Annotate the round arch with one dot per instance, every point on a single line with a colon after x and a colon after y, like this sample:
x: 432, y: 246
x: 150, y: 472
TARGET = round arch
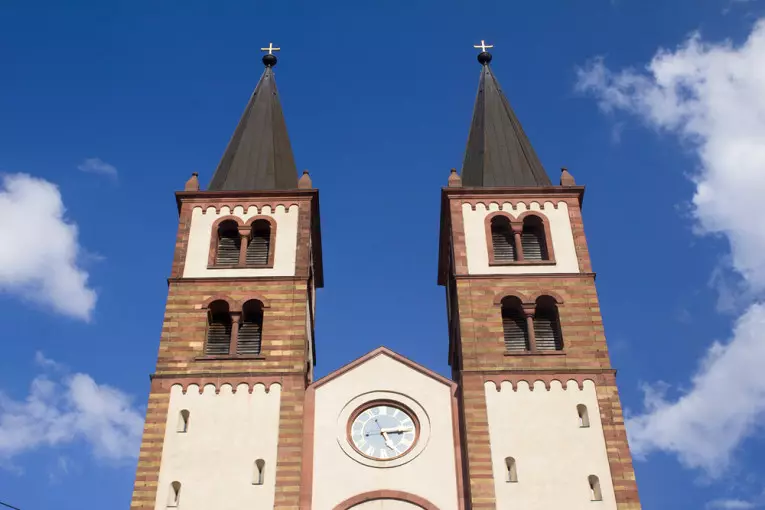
x: 386, y: 494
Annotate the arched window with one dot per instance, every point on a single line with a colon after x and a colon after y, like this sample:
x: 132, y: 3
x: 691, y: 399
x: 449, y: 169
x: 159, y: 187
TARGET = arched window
x: 259, y: 246
x: 514, y: 325
x: 511, y: 471
x: 547, y: 325
x: 502, y: 239
x: 584, y: 418
x: 533, y: 239
x: 183, y: 421
x: 218, y: 328
x: 250, y: 328
x: 259, y: 472
x: 229, y: 244
x: 175, y: 495
x: 595, y: 494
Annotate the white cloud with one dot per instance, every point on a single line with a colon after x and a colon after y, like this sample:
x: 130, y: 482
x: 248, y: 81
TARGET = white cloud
x: 38, y: 261
x: 97, y: 166
x: 730, y: 504
x: 63, y: 408
x: 711, y: 97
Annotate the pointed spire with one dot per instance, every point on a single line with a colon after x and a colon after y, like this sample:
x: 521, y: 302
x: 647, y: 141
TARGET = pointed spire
x: 259, y: 155
x: 498, y: 152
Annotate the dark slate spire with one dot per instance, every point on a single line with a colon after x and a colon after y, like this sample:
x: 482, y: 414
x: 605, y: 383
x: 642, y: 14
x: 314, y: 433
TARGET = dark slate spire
x: 498, y: 152
x: 259, y: 155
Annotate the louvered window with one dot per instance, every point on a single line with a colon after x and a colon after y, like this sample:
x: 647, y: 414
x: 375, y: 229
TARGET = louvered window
x: 502, y: 240
x: 260, y: 244
x: 547, y: 325
x: 218, y: 329
x: 229, y: 243
x: 250, y: 329
x: 514, y: 326
x: 533, y: 239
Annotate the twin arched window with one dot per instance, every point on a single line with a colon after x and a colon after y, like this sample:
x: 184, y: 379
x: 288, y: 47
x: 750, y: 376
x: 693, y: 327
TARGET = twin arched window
x: 234, y: 333
x: 531, y: 330
x: 516, y: 243
x: 248, y: 246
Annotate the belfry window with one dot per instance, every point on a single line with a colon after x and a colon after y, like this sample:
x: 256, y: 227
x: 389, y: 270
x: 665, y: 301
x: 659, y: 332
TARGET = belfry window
x: 229, y: 244
x: 514, y: 325
x: 250, y: 328
x: 547, y: 325
x: 218, y: 329
x: 502, y: 239
x: 533, y: 242
x: 259, y: 245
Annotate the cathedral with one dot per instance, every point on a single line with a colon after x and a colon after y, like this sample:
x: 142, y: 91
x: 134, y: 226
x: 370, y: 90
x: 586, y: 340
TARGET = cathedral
x: 529, y: 420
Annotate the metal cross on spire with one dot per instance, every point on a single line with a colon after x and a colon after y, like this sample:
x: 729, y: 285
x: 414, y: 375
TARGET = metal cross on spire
x: 483, y: 45
x: 271, y: 48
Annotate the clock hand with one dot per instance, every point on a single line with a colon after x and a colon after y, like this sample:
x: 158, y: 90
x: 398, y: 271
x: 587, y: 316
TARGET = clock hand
x: 397, y: 429
x: 388, y: 442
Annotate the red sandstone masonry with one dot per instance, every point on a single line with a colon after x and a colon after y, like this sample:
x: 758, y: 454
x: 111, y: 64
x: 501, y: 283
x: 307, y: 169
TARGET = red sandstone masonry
x: 481, y: 344
x: 181, y: 357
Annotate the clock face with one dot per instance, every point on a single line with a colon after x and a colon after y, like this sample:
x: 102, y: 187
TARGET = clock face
x: 383, y: 430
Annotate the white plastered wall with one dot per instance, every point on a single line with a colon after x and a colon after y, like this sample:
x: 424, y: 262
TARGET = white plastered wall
x: 477, y: 248
x: 554, y: 455
x: 215, y: 459
x: 431, y: 474
x: 200, y: 233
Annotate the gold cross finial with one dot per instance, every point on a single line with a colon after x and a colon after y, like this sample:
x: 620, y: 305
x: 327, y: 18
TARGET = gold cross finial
x: 483, y: 45
x: 270, y: 48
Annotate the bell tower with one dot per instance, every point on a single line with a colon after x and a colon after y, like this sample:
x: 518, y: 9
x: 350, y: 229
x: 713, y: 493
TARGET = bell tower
x: 224, y: 420
x: 541, y: 422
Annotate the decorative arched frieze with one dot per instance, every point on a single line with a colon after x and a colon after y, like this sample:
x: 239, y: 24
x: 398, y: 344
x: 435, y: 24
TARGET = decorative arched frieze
x: 260, y: 207
x: 252, y: 384
x: 386, y: 494
x: 542, y: 381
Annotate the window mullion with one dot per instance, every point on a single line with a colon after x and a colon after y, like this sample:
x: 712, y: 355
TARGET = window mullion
x: 235, y: 319
x: 530, y: 328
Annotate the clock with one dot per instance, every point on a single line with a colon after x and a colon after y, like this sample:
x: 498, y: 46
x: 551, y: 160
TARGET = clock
x: 383, y: 430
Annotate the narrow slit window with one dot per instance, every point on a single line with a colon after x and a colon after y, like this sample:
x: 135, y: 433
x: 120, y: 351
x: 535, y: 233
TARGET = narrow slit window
x: 595, y: 494
x: 183, y: 421
x: 511, y: 470
x: 584, y: 418
x: 533, y: 240
x: 547, y: 325
x: 259, y: 246
x: 260, y: 472
x: 175, y: 495
x: 229, y: 244
x: 218, y: 329
x: 250, y: 336
x: 514, y: 325
x: 502, y: 239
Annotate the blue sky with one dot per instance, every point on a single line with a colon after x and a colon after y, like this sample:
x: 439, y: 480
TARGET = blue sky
x: 107, y: 107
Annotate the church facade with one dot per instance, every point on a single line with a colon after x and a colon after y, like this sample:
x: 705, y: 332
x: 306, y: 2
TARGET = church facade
x: 529, y: 420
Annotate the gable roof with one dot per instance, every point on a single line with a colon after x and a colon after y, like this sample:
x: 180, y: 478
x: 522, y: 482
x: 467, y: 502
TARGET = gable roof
x: 383, y: 351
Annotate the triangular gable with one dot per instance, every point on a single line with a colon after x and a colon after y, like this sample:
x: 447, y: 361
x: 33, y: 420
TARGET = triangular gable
x: 383, y: 351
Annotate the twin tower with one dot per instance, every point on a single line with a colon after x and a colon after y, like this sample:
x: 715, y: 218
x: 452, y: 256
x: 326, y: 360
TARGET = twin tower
x: 530, y: 420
